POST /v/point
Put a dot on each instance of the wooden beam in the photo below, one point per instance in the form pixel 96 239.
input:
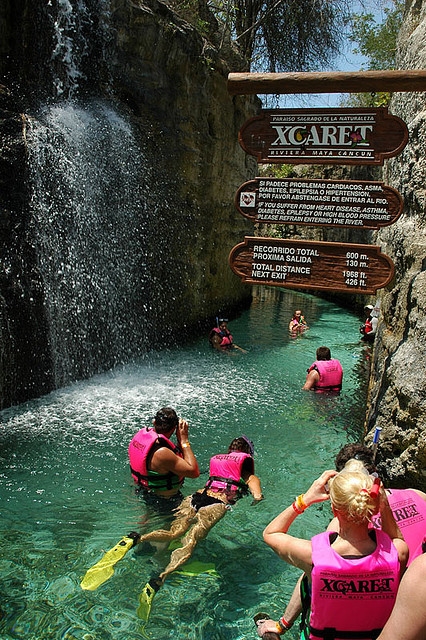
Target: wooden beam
pixel 327 82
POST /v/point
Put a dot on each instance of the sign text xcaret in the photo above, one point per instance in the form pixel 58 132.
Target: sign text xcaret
pixel 324 136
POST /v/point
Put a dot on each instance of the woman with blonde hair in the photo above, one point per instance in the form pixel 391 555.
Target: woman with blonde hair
pixel 354 572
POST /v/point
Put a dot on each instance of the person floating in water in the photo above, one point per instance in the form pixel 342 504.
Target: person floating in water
pixel 231 476
pixel 325 374
pixel 221 339
pixel 298 323
pixel 369 328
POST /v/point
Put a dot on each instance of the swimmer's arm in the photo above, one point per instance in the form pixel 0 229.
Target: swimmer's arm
pixel 295 551
pixel 311 379
pixel 164 461
pixel 216 341
pixel 408 617
pixel 255 488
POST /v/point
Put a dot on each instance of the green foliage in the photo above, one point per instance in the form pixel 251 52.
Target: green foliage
pixel 379 99
pixel 276 170
pixel 377 42
pixel 289 35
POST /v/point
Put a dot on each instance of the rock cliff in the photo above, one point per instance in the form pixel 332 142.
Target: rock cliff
pixel 168 79
pixel 397 398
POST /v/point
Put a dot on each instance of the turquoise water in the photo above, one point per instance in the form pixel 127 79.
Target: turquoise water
pixel 67 496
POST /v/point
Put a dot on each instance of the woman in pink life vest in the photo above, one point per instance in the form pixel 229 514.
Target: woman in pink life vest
pixel 354 572
pixel 231 477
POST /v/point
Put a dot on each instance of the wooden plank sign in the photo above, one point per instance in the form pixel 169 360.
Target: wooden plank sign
pixel 304 264
pixel 327 82
pixel 324 136
pixel 332 203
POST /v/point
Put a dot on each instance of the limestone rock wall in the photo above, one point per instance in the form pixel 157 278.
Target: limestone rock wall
pixel 163 66
pixel 170 79
pixel 397 400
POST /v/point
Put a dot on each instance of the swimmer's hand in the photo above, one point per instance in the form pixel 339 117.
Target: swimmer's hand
pixel 257 500
pixel 263 626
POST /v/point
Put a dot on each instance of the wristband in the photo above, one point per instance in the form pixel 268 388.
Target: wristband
pixel 296 509
pixel 301 504
pixel 185 445
pixel 283 626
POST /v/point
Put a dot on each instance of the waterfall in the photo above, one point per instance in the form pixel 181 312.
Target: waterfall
pixel 91 202
pixel 89 224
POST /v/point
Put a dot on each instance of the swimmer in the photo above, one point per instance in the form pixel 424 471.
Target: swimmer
pixel 231 477
pixel 352 550
pixel 325 374
pixel 298 323
pixel 221 339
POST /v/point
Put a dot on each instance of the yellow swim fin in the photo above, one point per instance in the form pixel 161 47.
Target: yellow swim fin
pixel 196 567
pixel 146 597
pixel 104 569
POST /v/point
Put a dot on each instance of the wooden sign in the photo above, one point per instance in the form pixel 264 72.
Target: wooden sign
pixel 324 136
pixel 302 264
pixel 333 203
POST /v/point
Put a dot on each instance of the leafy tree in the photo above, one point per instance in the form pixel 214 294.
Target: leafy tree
pixel 377 42
pixel 289 35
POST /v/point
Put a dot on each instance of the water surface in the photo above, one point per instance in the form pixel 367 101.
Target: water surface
pixel 67 496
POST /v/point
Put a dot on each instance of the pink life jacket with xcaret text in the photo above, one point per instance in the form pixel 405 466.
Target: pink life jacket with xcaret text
pixel 226 474
pixel 140 448
pixel 352 598
pixel 330 373
pixel 409 510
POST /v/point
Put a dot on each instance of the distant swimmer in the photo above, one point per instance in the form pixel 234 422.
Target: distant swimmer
pixel 325 374
pixel 298 323
pixel 369 328
pixel 221 339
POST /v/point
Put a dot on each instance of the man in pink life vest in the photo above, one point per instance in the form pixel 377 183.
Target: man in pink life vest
pixel 325 374
pixel 159 466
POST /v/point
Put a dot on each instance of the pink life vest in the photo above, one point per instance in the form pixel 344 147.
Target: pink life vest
pixel 330 373
pixel 226 338
pixel 140 448
pixel 355 595
pixel 225 474
pixel 409 510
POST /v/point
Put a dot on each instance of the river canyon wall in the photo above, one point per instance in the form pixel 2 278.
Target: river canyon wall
pixel 397 398
pixel 119 164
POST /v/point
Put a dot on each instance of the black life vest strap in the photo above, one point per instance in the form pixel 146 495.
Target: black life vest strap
pixel 334 387
pixel 330 633
pixel 305 597
pixel 167 479
pixel 242 486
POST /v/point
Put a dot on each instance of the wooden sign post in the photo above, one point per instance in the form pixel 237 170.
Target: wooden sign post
pixel 356 136
pixel 333 203
pixel 302 264
pixel 324 136
pixel 327 82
